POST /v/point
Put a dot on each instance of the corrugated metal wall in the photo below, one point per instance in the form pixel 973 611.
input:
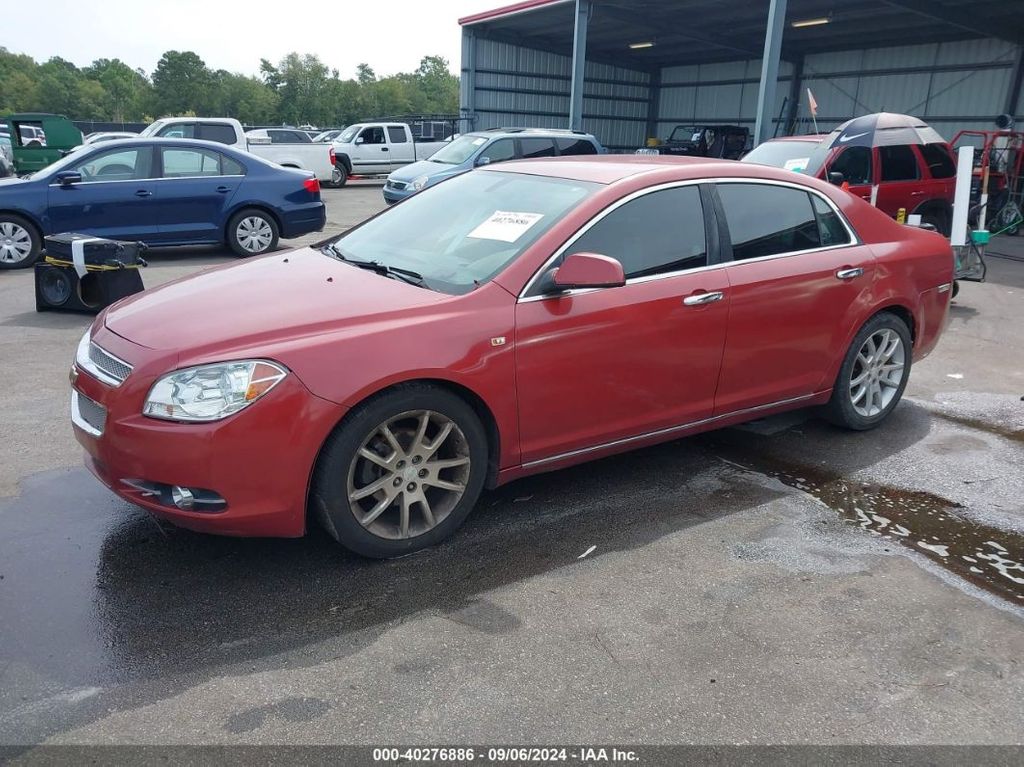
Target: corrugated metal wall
pixel 723 93
pixel 952 85
pixel 517 86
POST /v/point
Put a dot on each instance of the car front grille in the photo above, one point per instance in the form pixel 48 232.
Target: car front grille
pixel 397 185
pixel 87 414
pixel 109 364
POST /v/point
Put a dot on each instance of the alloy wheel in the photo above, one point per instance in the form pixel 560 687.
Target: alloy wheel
pixel 254 234
pixel 877 372
pixel 15 243
pixel 408 474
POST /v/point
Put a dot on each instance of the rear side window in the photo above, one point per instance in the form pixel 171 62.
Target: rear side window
pixel 537 147
pixel 937 158
pixel 181 130
pixel 899 163
pixel 574 146
pixel 854 163
pixel 189 163
pixel 396 134
pixel 231 167
pixel 765 220
pixel 657 233
pixel 830 228
pixel 222 134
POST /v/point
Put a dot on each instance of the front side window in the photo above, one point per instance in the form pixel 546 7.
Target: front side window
pixel 765 220
pixel 854 162
pixel 179 130
pixel 117 165
pixel 372 135
pixel 899 163
pixel 179 163
pixel 537 147
pixel 461 233
pixel 501 150
pixel 656 233
pixel 396 134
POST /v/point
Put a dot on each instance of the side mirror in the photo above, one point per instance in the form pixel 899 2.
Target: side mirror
pixel 837 178
pixel 485 160
pixel 359 140
pixel 69 177
pixel 588 270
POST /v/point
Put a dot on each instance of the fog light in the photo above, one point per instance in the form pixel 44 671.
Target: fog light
pixel 182 497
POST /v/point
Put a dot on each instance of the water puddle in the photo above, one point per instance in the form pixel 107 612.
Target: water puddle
pixel 987 556
pixel 1006 432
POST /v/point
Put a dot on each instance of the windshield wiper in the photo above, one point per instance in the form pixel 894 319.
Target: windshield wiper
pixel 395 272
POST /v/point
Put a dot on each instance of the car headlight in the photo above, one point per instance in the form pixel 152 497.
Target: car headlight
pixel 418 183
pixel 211 392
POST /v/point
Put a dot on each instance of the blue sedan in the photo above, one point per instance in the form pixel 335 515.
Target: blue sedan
pixel 161 192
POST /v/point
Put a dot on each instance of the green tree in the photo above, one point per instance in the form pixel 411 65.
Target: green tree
pixel 127 89
pixel 58 86
pixel 181 82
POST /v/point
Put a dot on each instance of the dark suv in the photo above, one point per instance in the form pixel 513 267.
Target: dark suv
pixel 469 150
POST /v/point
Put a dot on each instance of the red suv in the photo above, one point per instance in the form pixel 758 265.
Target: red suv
pixel 919 178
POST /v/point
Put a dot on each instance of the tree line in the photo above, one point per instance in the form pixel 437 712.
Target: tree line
pixel 297 90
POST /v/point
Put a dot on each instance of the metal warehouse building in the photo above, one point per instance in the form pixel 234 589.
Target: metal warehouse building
pixel 625 71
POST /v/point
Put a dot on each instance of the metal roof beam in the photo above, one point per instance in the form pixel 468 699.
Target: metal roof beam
pixel 968 22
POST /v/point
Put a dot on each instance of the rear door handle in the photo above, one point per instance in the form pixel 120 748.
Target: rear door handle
pixel 384 149
pixel 143 193
pixel 223 189
pixel 849 274
pixel 699 299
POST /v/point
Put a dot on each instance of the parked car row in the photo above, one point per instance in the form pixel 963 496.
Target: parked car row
pixel 161 192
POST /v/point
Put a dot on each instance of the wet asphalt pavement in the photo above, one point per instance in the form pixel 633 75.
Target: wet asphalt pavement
pixel 780 582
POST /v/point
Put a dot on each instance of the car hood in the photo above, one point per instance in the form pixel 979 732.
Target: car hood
pixel 264 300
pixel 7 183
pixel 435 171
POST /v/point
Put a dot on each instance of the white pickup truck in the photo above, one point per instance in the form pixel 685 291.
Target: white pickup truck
pixel 316 158
pixel 377 148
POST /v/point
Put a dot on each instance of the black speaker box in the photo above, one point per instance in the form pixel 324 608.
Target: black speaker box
pixel 96 251
pixel 58 288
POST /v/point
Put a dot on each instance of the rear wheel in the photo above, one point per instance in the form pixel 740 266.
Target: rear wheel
pixel 937 218
pixel 20 242
pixel 402 472
pixel 252 232
pixel 341 173
pixel 873 375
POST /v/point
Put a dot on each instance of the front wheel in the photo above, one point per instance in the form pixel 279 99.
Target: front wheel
pixel 252 232
pixel 402 472
pixel 20 243
pixel 873 375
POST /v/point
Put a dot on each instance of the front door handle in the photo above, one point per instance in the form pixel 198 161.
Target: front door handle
pixel 143 193
pixel 223 189
pixel 384 149
pixel 849 274
pixel 698 299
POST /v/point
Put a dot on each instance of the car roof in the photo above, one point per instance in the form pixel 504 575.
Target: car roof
pixel 538 132
pixel 609 169
pixel 816 138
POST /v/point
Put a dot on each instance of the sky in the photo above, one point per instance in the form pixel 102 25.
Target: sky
pixel 390 36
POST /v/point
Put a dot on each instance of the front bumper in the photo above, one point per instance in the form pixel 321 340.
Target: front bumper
pixel 258 460
pixel 393 195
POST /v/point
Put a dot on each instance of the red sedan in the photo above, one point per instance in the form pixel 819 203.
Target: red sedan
pixel 509 321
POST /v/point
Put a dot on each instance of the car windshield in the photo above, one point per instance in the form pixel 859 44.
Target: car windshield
pixel 459 150
pixel 685 133
pixel 464 231
pixel 348 135
pixel 791 155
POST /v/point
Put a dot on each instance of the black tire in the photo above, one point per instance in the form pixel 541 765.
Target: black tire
pixel 340 459
pixel 343 165
pixel 956 288
pixel 243 246
pixel 840 409
pixel 14 226
pixel 338 177
pixel 937 218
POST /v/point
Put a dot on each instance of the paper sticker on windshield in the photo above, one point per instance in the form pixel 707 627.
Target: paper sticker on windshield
pixel 505 225
pixel 797 165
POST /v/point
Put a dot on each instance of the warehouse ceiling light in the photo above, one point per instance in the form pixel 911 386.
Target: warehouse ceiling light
pixel 812 22
pixel 638 46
